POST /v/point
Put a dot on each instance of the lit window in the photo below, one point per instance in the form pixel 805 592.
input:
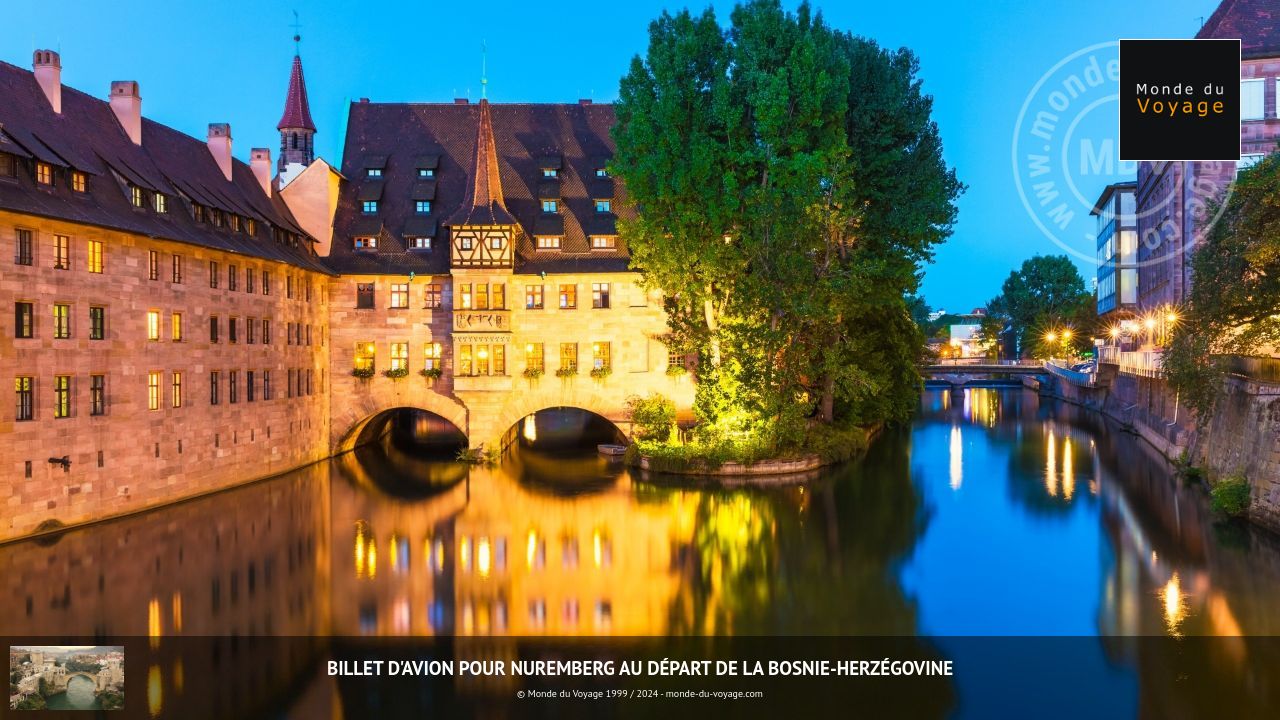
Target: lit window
pixel 464 296
pixel 153 391
pixel 422 207
pixel 399 356
pixel 602 172
pixel 569 357
pixel 78 181
pixel 419 242
pixel 95 256
pixel 153 324
pixel 675 358
pixel 1248 160
pixel 235 223
pixel 160 202
pixel 434 296
pixel 97 394
pixel 364 356
pixel 482 296
pixel 61 321
pixel 373 172
pixel 604 206
pixel 62 396
pixel 550 172
pixel 568 297
pixel 499 359
pixel 464 360
pixel 600 356
pixel 533 357
pixel 546 242
pixel 464 242
pixel 550 206
pixel 603 241
pixel 370 207
pixel 431 356
pixel 400 295
pixel 499 292
pixel 135 195
pixel 497 242
pixel 251 226
pixel 426 173
pixel 61 252
pixel 26 397
pixel 533 297
pixel 366 242
pixel 176 394
pixel 44 173
pixel 176 326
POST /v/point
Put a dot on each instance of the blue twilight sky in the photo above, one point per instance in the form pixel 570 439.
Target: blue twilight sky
pixel 228 62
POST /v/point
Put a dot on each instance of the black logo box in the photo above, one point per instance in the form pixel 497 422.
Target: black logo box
pixel 1205 73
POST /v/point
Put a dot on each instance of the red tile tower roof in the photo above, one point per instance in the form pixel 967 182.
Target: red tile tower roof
pixel 483 204
pixel 297 111
pixel 1255 22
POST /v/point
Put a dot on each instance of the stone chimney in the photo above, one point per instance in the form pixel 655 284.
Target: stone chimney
pixel 220 146
pixel 260 163
pixel 48 69
pixel 126 102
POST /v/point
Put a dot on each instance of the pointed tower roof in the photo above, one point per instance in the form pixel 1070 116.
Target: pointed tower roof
pixel 297 111
pixel 483 204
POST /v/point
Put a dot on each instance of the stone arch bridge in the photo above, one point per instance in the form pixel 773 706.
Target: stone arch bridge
pixel 982 375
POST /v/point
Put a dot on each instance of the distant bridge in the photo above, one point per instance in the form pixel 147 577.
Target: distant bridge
pixel 981 374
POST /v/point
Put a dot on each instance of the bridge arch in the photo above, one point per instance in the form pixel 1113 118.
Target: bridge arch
pixel 361 409
pixel 507 418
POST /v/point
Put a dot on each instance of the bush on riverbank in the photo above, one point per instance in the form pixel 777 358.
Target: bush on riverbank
pixel 832 444
pixel 1231 496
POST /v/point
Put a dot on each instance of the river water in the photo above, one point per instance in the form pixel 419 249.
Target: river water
pixel 995 514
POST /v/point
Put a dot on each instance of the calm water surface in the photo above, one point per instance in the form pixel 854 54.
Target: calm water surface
pixel 995 514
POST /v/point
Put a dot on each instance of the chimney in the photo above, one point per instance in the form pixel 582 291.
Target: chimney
pixel 260 163
pixel 126 102
pixel 48 69
pixel 220 146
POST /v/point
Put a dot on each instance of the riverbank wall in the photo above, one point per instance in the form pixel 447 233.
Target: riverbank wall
pixel 1241 438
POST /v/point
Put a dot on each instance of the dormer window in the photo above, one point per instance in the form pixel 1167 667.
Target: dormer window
pixel 370 207
pixel 548 242
pixel 419 242
pixel 373 172
pixel 251 226
pixel 426 173
pixel 603 242
pixel 550 206
pixel 366 242
pixel 44 173
pixel 78 181
pixel 550 172
pixel 8 165
pixel 422 207
pixel 235 223
pixel 135 196
pixel 604 206
pixel 161 202
pixel 197 211
pixel 602 172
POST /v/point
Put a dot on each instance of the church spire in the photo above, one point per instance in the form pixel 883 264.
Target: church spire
pixel 297 131
pixel 484 203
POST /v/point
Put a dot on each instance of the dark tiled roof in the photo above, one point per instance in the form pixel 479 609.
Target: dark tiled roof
pixel 1255 22
pixel 297 110
pixel 87 137
pixel 483 203
pixel 525 137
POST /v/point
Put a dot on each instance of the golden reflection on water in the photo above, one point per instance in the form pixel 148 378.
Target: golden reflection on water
pixel 155 691
pixel 957 458
pixel 1175 605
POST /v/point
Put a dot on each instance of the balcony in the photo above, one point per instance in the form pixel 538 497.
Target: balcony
pixel 1145 363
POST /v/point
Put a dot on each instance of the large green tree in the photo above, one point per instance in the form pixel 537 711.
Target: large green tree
pixel 1234 304
pixel 1046 294
pixel 790 183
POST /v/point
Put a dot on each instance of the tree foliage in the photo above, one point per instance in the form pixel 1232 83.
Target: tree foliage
pixel 1046 294
pixel 790 184
pixel 1234 303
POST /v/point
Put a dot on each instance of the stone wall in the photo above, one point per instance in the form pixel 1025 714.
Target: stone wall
pixel 130 456
pixel 1243 437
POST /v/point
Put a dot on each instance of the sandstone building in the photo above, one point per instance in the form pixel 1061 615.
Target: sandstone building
pixel 183 322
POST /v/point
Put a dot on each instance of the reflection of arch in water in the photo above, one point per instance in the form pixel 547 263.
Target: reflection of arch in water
pixel 406 452
pixel 554 449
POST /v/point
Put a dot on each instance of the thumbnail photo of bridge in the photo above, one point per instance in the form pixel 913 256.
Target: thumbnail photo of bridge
pixel 66 677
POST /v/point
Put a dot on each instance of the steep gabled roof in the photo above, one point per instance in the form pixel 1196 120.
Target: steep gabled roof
pixel 1255 22
pixel 297 110
pixel 483 203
